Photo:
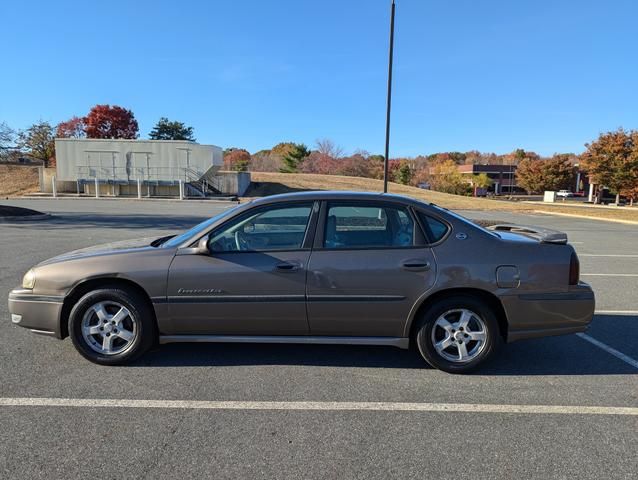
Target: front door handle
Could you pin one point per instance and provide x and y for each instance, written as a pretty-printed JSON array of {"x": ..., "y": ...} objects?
[
  {"x": 288, "y": 266},
  {"x": 416, "y": 265}
]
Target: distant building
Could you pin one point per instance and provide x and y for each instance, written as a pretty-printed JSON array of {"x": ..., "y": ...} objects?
[
  {"x": 503, "y": 177},
  {"x": 116, "y": 166}
]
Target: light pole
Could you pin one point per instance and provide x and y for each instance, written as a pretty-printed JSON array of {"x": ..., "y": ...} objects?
[{"x": 389, "y": 103}]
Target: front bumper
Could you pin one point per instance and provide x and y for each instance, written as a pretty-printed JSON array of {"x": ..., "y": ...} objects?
[
  {"x": 38, "y": 313},
  {"x": 546, "y": 314}
]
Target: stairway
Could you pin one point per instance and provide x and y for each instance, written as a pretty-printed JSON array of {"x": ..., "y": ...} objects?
[{"x": 203, "y": 184}]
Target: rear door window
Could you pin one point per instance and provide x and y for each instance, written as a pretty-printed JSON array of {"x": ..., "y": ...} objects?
[{"x": 354, "y": 226}]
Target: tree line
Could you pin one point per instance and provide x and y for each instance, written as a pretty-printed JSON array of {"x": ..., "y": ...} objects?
[{"x": 611, "y": 160}]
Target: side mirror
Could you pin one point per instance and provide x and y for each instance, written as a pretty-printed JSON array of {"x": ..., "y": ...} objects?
[{"x": 202, "y": 246}]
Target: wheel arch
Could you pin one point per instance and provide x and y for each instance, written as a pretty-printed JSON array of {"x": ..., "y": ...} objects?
[
  {"x": 90, "y": 284},
  {"x": 489, "y": 298}
]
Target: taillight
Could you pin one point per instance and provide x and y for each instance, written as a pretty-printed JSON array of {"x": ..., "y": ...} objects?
[{"x": 574, "y": 269}]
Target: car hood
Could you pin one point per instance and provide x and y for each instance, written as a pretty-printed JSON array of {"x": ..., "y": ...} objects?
[{"x": 124, "y": 246}]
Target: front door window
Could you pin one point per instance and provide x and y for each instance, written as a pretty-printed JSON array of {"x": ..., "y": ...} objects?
[{"x": 271, "y": 229}]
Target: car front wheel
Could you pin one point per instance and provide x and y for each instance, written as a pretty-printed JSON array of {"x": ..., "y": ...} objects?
[
  {"x": 111, "y": 326},
  {"x": 457, "y": 334}
]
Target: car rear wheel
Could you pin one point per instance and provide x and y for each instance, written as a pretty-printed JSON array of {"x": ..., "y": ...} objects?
[
  {"x": 111, "y": 326},
  {"x": 457, "y": 334}
]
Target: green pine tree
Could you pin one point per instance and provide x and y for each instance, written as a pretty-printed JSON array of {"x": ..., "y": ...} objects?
[{"x": 294, "y": 158}]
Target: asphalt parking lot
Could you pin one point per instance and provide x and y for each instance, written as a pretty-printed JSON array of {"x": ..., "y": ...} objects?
[{"x": 494, "y": 437}]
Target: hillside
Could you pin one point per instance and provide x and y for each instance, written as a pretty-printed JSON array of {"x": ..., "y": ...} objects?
[
  {"x": 273, "y": 183},
  {"x": 18, "y": 180}
]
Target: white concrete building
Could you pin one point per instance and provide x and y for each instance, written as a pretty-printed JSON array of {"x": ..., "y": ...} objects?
[{"x": 119, "y": 167}]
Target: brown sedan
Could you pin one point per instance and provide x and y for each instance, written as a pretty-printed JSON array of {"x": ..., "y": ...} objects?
[{"x": 315, "y": 267}]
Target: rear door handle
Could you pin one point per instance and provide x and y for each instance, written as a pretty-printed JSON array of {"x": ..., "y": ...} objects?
[
  {"x": 288, "y": 266},
  {"x": 416, "y": 265}
]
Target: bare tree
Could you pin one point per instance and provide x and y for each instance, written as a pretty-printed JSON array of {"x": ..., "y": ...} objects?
[
  {"x": 7, "y": 135},
  {"x": 7, "y": 140},
  {"x": 325, "y": 146}
]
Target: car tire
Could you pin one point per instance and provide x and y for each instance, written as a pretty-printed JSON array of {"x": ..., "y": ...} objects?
[
  {"x": 457, "y": 334},
  {"x": 112, "y": 326}
]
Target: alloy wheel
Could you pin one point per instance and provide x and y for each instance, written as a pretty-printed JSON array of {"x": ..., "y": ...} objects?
[
  {"x": 109, "y": 328},
  {"x": 459, "y": 335}
]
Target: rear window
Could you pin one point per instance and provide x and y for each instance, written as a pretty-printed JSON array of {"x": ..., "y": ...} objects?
[
  {"x": 466, "y": 220},
  {"x": 435, "y": 230}
]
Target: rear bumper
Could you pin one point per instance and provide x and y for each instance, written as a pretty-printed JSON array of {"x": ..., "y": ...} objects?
[
  {"x": 39, "y": 313},
  {"x": 547, "y": 314}
]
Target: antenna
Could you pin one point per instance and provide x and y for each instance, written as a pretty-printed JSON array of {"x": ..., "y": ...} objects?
[{"x": 386, "y": 159}]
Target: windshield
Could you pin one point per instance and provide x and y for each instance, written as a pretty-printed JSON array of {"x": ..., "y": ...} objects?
[{"x": 197, "y": 229}]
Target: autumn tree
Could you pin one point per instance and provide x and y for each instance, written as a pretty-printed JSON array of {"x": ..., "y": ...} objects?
[
  {"x": 72, "y": 128},
  {"x": 39, "y": 142},
  {"x": 631, "y": 193},
  {"x": 519, "y": 154},
  {"x": 536, "y": 176},
  {"x": 445, "y": 177},
  {"x": 612, "y": 161},
  {"x": 165, "y": 129},
  {"x": 403, "y": 173},
  {"x": 317, "y": 162},
  {"x": 481, "y": 181},
  {"x": 106, "y": 121},
  {"x": 282, "y": 149},
  {"x": 294, "y": 158},
  {"x": 237, "y": 159},
  {"x": 360, "y": 165},
  {"x": 376, "y": 166}
]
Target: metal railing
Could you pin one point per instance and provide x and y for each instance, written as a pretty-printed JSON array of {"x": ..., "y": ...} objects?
[
  {"x": 127, "y": 174},
  {"x": 202, "y": 183}
]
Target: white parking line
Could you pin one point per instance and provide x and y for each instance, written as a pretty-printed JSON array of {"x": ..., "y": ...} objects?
[
  {"x": 318, "y": 406},
  {"x": 609, "y": 274},
  {"x": 606, "y": 255},
  {"x": 610, "y": 350},
  {"x": 616, "y": 312}
]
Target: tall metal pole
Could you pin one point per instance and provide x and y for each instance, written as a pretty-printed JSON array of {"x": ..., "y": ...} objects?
[{"x": 389, "y": 104}]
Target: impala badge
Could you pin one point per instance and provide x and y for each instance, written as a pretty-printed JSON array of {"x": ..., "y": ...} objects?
[{"x": 198, "y": 291}]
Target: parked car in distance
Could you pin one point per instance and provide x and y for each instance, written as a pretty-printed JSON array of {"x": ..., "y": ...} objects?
[
  {"x": 564, "y": 193},
  {"x": 315, "y": 267}
]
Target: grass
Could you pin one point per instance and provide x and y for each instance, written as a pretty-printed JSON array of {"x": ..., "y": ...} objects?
[
  {"x": 273, "y": 183},
  {"x": 18, "y": 180},
  {"x": 266, "y": 183}
]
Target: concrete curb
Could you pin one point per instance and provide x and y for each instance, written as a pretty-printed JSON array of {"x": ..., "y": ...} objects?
[
  {"x": 573, "y": 215},
  {"x": 186, "y": 200},
  {"x": 24, "y": 218}
]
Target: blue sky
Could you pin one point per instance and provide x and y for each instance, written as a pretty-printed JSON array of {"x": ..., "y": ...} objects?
[{"x": 491, "y": 75}]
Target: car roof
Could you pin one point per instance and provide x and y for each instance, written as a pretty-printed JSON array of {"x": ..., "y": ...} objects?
[{"x": 336, "y": 195}]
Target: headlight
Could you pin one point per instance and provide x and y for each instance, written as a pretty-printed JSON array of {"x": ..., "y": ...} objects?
[{"x": 28, "y": 281}]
